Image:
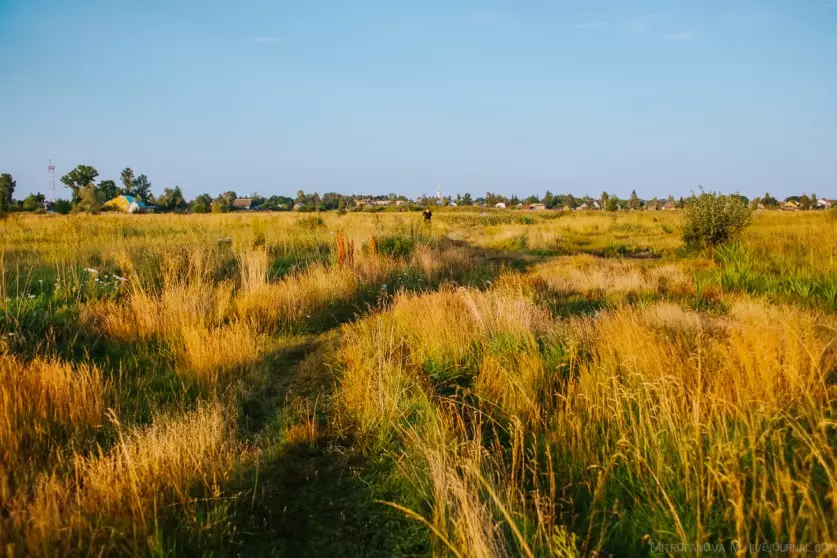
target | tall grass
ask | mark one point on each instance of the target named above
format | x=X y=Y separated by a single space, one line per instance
x=540 y=386
x=655 y=424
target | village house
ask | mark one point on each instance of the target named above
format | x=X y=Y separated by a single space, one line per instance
x=826 y=204
x=242 y=204
x=586 y=206
x=537 y=207
x=500 y=205
x=790 y=206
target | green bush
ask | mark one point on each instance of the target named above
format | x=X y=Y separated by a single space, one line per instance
x=396 y=245
x=62 y=206
x=712 y=219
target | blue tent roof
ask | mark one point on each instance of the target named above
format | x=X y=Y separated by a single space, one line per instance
x=133 y=199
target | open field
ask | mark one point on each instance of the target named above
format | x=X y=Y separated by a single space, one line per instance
x=320 y=385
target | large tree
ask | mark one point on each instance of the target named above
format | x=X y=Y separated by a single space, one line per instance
x=7 y=190
x=603 y=199
x=633 y=201
x=90 y=200
x=202 y=204
x=108 y=189
x=80 y=177
x=127 y=177
x=34 y=202
x=172 y=199
x=769 y=201
x=141 y=188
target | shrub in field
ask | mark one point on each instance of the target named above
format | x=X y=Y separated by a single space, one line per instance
x=395 y=245
x=711 y=219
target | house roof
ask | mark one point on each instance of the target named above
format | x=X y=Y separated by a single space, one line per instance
x=242 y=203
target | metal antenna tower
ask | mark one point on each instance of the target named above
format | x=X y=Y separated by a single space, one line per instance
x=51 y=172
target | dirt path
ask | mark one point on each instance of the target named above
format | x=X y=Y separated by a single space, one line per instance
x=315 y=495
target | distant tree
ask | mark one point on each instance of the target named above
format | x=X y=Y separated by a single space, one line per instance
x=33 y=202
x=127 y=177
x=769 y=201
x=90 y=200
x=514 y=200
x=570 y=201
x=108 y=189
x=278 y=203
x=7 y=190
x=62 y=206
x=141 y=188
x=493 y=199
x=330 y=200
x=80 y=177
x=548 y=199
x=633 y=201
x=814 y=201
x=229 y=197
x=257 y=199
x=603 y=199
x=612 y=204
x=670 y=200
x=221 y=205
x=307 y=202
x=171 y=200
x=202 y=204
x=755 y=202
x=466 y=199
x=681 y=203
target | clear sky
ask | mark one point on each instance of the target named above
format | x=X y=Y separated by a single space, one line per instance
x=380 y=96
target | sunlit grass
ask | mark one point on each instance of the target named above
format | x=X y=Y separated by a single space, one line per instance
x=535 y=384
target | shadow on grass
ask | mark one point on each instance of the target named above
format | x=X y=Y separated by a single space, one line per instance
x=311 y=493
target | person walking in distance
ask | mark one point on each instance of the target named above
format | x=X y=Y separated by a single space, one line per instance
x=428 y=215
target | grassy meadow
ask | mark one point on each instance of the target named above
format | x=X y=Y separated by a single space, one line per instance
x=508 y=384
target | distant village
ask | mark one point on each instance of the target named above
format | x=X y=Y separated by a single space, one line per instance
x=133 y=194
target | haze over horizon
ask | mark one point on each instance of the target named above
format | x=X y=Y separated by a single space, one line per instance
x=375 y=97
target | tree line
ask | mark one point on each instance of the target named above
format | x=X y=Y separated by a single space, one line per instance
x=88 y=195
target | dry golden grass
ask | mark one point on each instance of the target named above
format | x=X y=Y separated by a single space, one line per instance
x=187 y=297
x=41 y=394
x=213 y=355
x=587 y=275
x=660 y=398
x=293 y=299
x=253 y=265
x=148 y=470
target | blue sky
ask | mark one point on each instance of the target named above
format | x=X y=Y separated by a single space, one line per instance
x=378 y=96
